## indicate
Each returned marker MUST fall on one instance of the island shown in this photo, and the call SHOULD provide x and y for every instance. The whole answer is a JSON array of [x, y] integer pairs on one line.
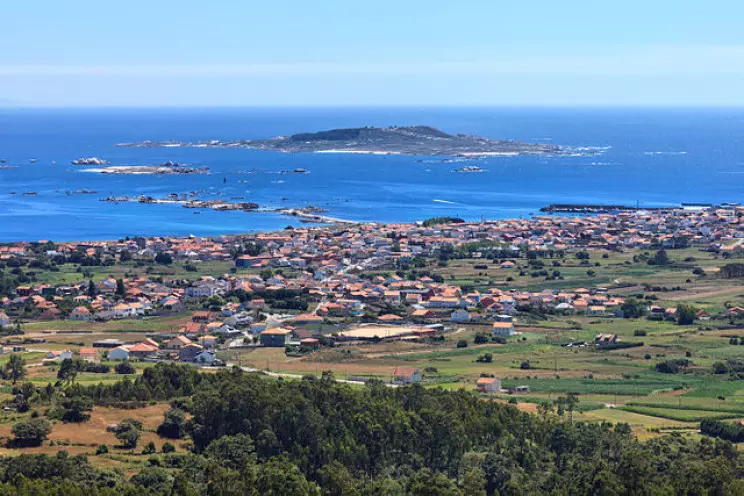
[[395, 140], [165, 168]]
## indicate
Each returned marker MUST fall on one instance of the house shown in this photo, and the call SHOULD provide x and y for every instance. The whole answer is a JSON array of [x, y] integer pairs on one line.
[[177, 343], [503, 328], [488, 385], [406, 375], [307, 319], [142, 350], [206, 357], [189, 352], [460, 316], [80, 313], [442, 302], [4, 320], [703, 315], [596, 310], [605, 340], [89, 354], [59, 355], [422, 314], [275, 338], [208, 341], [201, 317], [118, 353]]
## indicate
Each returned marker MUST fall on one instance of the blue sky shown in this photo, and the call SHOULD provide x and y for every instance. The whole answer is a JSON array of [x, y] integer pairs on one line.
[[382, 52]]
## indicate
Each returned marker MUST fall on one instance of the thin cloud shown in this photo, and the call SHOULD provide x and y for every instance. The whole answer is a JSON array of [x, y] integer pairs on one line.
[[622, 61]]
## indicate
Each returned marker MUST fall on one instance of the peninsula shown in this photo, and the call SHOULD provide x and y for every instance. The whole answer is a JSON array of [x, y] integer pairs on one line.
[[397, 140]]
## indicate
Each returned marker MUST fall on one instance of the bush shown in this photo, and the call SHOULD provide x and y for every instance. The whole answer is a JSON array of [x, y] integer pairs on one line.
[[481, 338], [149, 449], [639, 332], [462, 344], [168, 448], [672, 366], [102, 449], [525, 365], [125, 367], [485, 358]]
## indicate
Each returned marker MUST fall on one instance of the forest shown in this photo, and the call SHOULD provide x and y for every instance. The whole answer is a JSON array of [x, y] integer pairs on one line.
[[251, 434]]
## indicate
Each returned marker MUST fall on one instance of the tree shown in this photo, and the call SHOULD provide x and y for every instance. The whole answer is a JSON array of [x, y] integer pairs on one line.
[[686, 314], [69, 369], [279, 476], [174, 424], [232, 451], [31, 432], [128, 432], [633, 309], [462, 343], [163, 258], [660, 258], [92, 291], [149, 449], [120, 289], [76, 408], [15, 368]]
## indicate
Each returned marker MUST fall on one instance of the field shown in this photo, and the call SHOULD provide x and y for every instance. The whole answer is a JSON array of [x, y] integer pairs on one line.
[[619, 385]]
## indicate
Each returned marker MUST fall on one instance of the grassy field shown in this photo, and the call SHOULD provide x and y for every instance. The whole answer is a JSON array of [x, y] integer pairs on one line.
[[624, 378]]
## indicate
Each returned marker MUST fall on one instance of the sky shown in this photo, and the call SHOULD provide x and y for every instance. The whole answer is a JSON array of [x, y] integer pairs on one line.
[[81, 53]]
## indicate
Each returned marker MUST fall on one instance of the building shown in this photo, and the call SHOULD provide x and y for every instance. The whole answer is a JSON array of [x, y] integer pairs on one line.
[[142, 350], [81, 314], [460, 316], [177, 343], [503, 328], [108, 343], [119, 353], [4, 319], [275, 338], [406, 375], [205, 357], [89, 354], [605, 340], [488, 385], [189, 352]]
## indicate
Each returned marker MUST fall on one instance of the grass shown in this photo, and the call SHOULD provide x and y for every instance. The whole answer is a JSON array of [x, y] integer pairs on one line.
[[677, 414]]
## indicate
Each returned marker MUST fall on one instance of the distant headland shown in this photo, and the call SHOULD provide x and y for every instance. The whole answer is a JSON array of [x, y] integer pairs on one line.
[[396, 140]]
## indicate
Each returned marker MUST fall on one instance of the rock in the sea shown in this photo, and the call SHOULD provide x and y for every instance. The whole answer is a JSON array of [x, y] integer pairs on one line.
[[89, 161]]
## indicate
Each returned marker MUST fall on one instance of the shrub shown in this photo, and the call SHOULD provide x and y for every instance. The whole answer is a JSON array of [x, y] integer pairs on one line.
[[125, 367], [102, 449], [462, 344]]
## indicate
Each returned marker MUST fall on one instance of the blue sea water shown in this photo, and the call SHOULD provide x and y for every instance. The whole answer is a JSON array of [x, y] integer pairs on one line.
[[654, 157]]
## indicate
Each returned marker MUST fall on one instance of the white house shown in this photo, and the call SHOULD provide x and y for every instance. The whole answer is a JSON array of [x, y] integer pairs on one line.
[[460, 316], [503, 328], [119, 353], [4, 319]]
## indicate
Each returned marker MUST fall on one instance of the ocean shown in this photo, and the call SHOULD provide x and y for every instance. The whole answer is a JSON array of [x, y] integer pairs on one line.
[[651, 157]]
